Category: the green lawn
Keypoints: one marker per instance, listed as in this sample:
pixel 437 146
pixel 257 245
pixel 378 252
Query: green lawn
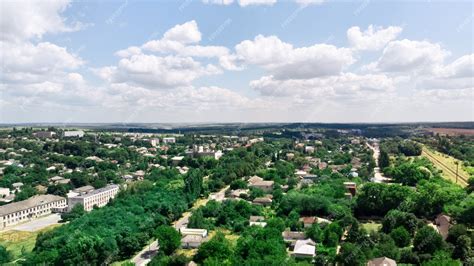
pixel 20 241
pixel 372 226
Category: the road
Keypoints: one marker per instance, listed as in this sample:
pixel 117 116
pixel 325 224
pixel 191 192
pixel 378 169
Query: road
pixel 147 253
pixel 378 177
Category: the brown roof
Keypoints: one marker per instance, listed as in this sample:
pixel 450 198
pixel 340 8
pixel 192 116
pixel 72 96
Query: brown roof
pixel 256 219
pixel 293 235
pixel 308 220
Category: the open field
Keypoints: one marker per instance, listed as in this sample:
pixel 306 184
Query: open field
pixel 372 226
pixel 452 131
pixel 20 241
pixel 448 165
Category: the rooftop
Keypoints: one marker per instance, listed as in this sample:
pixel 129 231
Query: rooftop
pixel 29 203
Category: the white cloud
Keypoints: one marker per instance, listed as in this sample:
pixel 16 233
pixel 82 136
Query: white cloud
pixel 165 46
pixel 286 62
pixel 412 56
pixel 374 38
pixel 184 33
pixel 347 85
pixel 462 67
pixel 132 50
pixel 21 20
pixel 155 72
pixel 218 2
pixel 245 3
pixel 309 2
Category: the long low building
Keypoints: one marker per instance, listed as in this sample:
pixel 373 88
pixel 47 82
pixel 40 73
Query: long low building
pixel 29 209
pixel 99 197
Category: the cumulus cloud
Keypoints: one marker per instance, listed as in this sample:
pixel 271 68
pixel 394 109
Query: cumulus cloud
pixel 22 20
pixel 411 56
pixel 156 72
pixel 346 84
pixel 374 38
pixel 184 33
pixel 286 62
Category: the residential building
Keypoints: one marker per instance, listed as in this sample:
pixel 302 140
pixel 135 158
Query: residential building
pixel 264 185
pixel 73 133
pixel 304 248
pixel 191 231
pixel 382 261
pixel 177 159
pixel 308 221
pixel 264 201
pixel 309 149
pixel 99 197
pixel 169 140
pixel 292 236
pixel 44 134
pixel 31 208
pixel 443 223
pixel 351 187
pixel 154 142
pixel 257 220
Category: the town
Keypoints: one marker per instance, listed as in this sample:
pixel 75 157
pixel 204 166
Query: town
pixel 282 195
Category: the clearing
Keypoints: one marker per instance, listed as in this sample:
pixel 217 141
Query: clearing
pixel 447 165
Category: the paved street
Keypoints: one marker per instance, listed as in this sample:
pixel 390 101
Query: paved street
pixel 378 177
pixel 37 224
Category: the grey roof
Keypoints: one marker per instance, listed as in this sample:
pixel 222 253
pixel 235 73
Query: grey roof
pixel 97 191
pixel 382 261
pixel 28 203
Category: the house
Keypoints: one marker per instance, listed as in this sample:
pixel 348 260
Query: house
pixel 191 241
pixel 139 174
pixel 382 261
pixel 290 156
pixel 443 223
pixel 239 193
pixel 190 231
pixel 127 178
pixel 304 248
pixel 264 185
pixel 177 159
pixel 257 220
pixel 300 173
pixel 254 179
pixel 292 236
pixel 308 221
pixel 309 149
pixel 351 187
pixel 263 201
pixel 17 186
pixel 154 142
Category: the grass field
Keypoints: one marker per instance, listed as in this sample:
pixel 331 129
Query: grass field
pixel 20 241
pixel 372 226
pixel 447 165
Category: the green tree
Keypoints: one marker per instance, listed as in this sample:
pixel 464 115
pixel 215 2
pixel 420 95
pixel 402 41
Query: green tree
pixel 401 236
pixel 351 254
pixel 76 212
pixel 427 241
pixel 5 255
pixel 168 239
pixel 218 248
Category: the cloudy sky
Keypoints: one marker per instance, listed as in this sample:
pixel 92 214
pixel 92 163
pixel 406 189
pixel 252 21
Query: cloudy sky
pixel 236 61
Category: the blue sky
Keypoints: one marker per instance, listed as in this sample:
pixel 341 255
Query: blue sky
pixel 422 60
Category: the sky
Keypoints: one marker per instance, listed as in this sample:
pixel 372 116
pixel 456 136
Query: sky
pixel 236 61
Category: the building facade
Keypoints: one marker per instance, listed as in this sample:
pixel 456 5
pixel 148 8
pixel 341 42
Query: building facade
pixel 99 197
pixel 29 209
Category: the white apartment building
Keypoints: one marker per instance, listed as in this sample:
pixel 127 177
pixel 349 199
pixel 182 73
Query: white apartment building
pixel 29 209
pixel 99 197
pixel 75 133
